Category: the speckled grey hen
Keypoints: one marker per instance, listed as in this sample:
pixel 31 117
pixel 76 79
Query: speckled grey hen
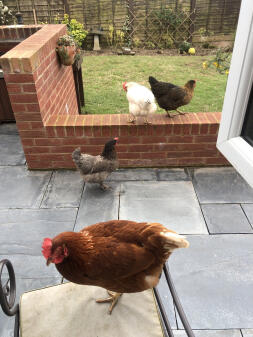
pixel 95 169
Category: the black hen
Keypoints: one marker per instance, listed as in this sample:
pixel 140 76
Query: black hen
pixel 170 96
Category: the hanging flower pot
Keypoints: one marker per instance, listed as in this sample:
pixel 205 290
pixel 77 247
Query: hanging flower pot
pixel 66 49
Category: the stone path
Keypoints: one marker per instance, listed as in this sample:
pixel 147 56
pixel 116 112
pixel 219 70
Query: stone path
pixel 213 207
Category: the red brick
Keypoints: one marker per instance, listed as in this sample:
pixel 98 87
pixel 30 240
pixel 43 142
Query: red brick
pixel 180 139
pixel 37 149
pixel 99 141
pixel 106 131
pixel 19 78
pixel 23 98
pixel 27 116
pixel 70 131
pixel 191 161
pixel 154 139
pixel 129 155
pixel 205 139
pixel 151 155
pixel 32 134
pixel 14 88
pixel 79 131
pixel 195 129
pixel 213 128
pixel 60 131
pixel 186 129
pixel 129 140
pixel 204 129
pixel 88 132
pixel 48 142
pixel 140 148
pixel 24 125
pixel 29 88
pixel 27 142
pixel 217 161
pixel 62 149
pixel 75 141
pixel 33 107
pixel 124 130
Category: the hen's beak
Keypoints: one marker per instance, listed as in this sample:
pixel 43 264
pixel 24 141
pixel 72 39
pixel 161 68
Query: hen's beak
pixel 49 260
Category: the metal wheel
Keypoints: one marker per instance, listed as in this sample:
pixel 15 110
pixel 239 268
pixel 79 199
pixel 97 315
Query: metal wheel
pixel 8 289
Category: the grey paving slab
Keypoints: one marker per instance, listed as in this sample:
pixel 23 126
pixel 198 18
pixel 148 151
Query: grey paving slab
pixel 22 285
pixel 210 333
pixel 247 332
pixel 221 185
pixel 8 129
pixel 214 278
pixel 97 205
pixel 23 230
pixel 11 150
pixel 173 174
pixel 20 188
pixel 133 174
pixel 31 267
pixel 226 218
pixel 174 204
pixel 167 301
pixel 248 209
pixel 64 190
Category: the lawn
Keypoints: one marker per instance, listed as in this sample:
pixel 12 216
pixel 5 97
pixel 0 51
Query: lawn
pixel 103 77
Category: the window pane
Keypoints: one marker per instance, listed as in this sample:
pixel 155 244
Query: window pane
pixel 247 129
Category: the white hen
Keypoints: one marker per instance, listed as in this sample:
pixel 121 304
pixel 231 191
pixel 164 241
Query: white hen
pixel 141 101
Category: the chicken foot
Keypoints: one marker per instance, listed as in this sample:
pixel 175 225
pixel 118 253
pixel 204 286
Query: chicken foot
pixel 181 112
pixel 104 187
pixel 114 297
pixel 132 119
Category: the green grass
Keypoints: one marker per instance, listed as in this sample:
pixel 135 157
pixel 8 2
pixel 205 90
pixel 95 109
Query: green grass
pixel 103 77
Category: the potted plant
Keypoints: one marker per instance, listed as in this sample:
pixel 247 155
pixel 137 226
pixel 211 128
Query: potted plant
pixel 67 50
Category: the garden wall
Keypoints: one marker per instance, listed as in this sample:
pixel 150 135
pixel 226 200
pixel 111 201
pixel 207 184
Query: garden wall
pixel 44 103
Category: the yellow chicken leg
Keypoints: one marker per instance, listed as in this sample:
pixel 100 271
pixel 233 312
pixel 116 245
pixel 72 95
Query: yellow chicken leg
pixel 114 297
pixel 181 112
pixel 132 119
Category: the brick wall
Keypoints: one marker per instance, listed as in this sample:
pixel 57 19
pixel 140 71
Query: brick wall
pixel 44 102
pixel 188 140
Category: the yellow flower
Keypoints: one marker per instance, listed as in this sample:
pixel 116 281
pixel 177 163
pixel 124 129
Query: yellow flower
pixel 227 72
pixel 191 51
pixel 204 65
pixel 215 64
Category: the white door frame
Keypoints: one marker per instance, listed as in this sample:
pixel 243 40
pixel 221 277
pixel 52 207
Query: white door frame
pixel 236 150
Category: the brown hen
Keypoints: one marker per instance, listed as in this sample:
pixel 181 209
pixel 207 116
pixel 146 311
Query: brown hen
pixel 119 255
pixel 171 97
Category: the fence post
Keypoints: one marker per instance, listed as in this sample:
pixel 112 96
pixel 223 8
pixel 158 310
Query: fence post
pixel 66 7
pixel 192 18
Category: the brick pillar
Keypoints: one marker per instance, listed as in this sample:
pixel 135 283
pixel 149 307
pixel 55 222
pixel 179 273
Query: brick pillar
pixel 38 85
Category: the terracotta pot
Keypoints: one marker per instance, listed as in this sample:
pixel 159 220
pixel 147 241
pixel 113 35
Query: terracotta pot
pixel 66 54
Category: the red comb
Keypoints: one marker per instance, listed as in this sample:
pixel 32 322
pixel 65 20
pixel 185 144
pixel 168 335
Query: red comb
pixel 124 85
pixel 46 247
pixel 115 138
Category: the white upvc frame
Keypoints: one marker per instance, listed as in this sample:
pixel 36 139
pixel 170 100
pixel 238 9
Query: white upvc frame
pixel 236 150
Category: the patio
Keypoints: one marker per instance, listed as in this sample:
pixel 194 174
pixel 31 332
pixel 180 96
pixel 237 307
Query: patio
pixel 212 206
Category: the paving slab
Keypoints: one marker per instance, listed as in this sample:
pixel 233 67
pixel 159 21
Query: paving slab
pixel 226 218
pixel 11 150
pixel 97 205
pixel 64 190
pixel 247 332
pixel 174 204
pixel 20 188
pixel 8 129
pixel 210 333
pixel 23 230
pixel 167 301
pixel 173 174
pixel 214 278
pixel 22 285
pixel 248 209
pixel 133 174
pixel 221 185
